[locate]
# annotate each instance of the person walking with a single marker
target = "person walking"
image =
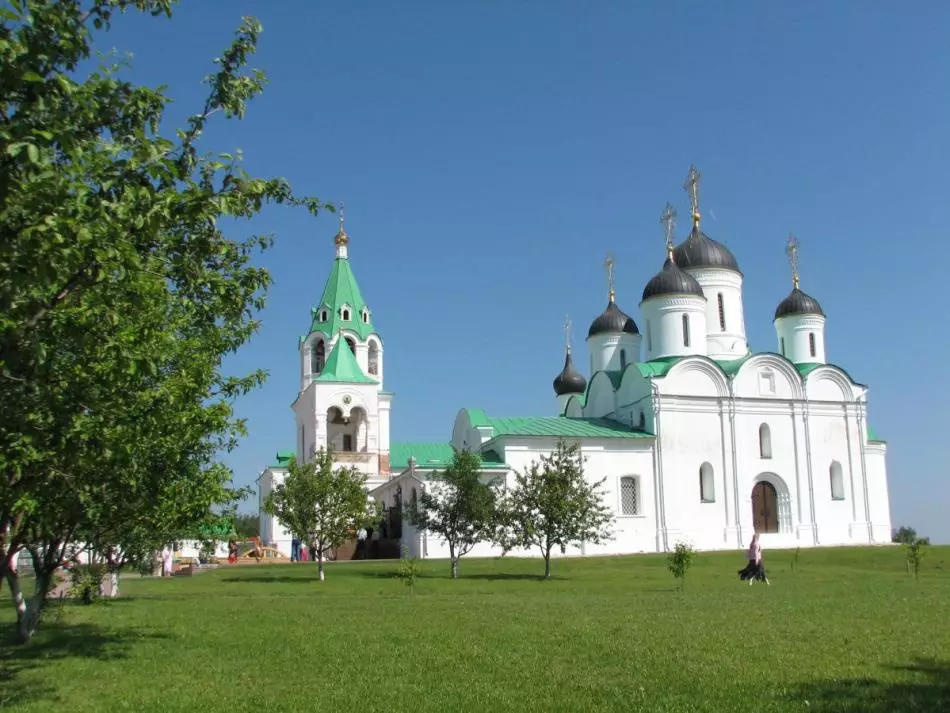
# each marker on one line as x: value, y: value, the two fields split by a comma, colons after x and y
x: 167, y: 556
x: 294, y: 550
x: 361, y: 543
x: 755, y: 569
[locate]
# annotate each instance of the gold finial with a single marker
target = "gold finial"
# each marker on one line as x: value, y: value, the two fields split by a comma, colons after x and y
x: 669, y: 225
x: 609, y: 264
x: 567, y: 333
x: 791, y: 249
x: 341, y: 237
x: 692, y: 188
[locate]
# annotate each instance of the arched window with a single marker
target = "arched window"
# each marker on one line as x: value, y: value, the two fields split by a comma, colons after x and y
x: 345, y: 313
x: 630, y: 495
x: 765, y: 441
x: 303, y: 443
x: 643, y: 421
x: 373, y: 358
x: 352, y: 344
x: 623, y: 358
x: 722, y: 313
x: 365, y: 316
x: 811, y: 344
x: 649, y: 338
x: 707, y: 485
x: 837, y: 480
x: 685, y: 330
x: 317, y: 357
x: 323, y: 315
x: 413, y: 500
x: 782, y: 342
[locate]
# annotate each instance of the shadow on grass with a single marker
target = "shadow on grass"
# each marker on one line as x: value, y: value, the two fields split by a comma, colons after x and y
x: 926, y: 687
x: 54, y: 643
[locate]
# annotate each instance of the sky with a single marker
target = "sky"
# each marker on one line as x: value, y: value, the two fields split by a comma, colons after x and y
x: 490, y: 154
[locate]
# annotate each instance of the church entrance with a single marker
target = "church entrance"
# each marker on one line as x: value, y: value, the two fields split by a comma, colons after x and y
x: 764, y: 508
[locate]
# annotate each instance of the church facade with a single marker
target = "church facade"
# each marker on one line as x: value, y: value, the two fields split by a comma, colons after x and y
x: 695, y: 437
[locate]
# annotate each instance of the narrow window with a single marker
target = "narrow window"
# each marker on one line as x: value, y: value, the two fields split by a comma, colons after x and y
x: 365, y: 317
x: 837, y: 481
x: 623, y: 358
x: 649, y: 338
x: 346, y: 315
x: 317, y: 357
x: 707, y: 485
x: 302, y: 443
x: 630, y: 495
x: 373, y: 358
x: 765, y: 441
x: 323, y: 315
x: 722, y: 314
x: 782, y: 342
x: 685, y: 330
x: 811, y: 344
x: 643, y: 421
x: 352, y: 344
x: 347, y: 443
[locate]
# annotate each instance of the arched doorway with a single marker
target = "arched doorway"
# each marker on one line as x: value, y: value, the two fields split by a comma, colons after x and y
x: 765, y: 515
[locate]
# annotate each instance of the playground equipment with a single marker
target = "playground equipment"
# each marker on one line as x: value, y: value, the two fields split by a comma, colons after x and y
x: 251, y: 549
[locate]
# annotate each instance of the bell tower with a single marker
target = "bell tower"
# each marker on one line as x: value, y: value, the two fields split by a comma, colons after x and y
x: 341, y: 403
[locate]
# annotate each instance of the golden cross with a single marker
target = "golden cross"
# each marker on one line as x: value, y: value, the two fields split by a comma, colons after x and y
x: 791, y: 249
x: 669, y: 224
x: 609, y: 264
x: 342, y: 214
x: 692, y: 188
x: 567, y: 332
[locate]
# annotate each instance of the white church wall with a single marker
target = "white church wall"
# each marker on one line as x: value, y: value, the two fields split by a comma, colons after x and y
x: 834, y: 511
x: 725, y: 333
x: 635, y: 398
x: 878, y: 500
x: 601, y: 398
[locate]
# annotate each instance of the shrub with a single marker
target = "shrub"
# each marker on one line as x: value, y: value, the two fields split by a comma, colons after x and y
x: 85, y: 581
x: 409, y: 568
x: 679, y: 561
x: 915, y: 553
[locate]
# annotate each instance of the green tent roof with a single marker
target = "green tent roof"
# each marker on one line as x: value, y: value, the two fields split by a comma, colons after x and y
x: 341, y: 366
x: 554, y: 426
x: 282, y: 460
x: 341, y: 292
x: 434, y: 455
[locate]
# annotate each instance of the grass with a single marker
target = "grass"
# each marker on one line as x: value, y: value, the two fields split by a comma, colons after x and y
x: 848, y: 630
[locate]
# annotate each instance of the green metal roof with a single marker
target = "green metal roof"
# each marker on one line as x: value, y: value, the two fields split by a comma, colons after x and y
x: 283, y: 459
x: 872, y: 436
x: 554, y: 426
x: 341, y: 366
x: 341, y: 290
x: 434, y: 455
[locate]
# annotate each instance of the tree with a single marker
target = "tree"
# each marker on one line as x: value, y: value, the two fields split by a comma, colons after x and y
x: 322, y: 506
x: 247, y: 525
x: 119, y: 293
x: 553, y: 505
x: 679, y: 561
x: 457, y: 506
x: 907, y: 536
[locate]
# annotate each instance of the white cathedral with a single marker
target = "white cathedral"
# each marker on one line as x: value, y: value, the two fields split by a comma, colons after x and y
x: 696, y: 438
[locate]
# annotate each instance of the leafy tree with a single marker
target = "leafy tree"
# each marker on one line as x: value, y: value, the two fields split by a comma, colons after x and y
x: 679, y: 561
x: 915, y: 554
x: 457, y: 506
x: 552, y: 504
x: 247, y: 525
x: 119, y: 293
x: 322, y: 506
x: 907, y: 536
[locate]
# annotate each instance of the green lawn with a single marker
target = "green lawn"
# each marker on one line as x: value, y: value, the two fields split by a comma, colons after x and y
x: 847, y: 631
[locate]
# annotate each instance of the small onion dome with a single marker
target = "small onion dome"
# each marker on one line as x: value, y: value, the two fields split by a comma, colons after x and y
x: 613, y: 319
x: 569, y: 381
x: 798, y: 302
x: 672, y: 281
x: 699, y: 250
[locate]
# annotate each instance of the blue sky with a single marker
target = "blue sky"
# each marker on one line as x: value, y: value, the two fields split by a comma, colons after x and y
x: 491, y: 153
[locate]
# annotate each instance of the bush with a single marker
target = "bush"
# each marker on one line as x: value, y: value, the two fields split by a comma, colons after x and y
x: 409, y: 569
x: 85, y: 581
x: 915, y: 553
x: 679, y: 561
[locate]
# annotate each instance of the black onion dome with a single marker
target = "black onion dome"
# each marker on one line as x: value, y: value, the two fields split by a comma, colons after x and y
x: 699, y: 250
x: 569, y: 381
x: 613, y: 319
x: 672, y: 281
x: 798, y: 302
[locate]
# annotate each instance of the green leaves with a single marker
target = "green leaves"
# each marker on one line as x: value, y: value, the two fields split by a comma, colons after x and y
x: 554, y: 505
x: 458, y: 506
x: 119, y: 293
x: 320, y: 505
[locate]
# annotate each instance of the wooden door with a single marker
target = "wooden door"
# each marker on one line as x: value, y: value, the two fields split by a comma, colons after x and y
x: 764, y: 508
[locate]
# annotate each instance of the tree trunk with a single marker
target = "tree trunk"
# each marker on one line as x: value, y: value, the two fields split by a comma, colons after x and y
x: 319, y: 563
x: 547, y: 563
x: 27, y: 612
